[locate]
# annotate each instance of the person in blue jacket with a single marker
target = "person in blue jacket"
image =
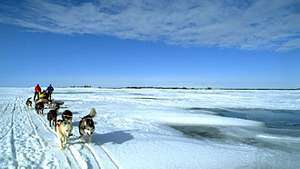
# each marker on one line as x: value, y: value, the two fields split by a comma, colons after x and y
x: 49, y: 91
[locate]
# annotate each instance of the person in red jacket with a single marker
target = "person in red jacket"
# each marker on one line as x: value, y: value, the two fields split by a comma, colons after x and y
x: 37, y: 91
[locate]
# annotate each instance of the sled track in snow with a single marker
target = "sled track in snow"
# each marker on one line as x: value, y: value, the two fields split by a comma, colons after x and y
x: 5, y: 108
x: 109, y: 156
x: 72, y: 153
x: 12, y: 141
x: 65, y: 154
x: 12, y: 117
x: 93, y: 154
x: 77, y: 158
x: 11, y: 121
x: 105, y: 152
x: 79, y: 164
x: 39, y: 139
x: 33, y: 126
x: 87, y: 147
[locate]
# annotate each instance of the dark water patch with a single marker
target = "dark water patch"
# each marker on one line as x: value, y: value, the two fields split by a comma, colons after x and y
x: 215, y: 134
x: 200, y: 131
x: 284, y: 119
x: 222, y: 136
x: 282, y: 146
x: 196, y: 108
x: 286, y: 111
x: 281, y: 132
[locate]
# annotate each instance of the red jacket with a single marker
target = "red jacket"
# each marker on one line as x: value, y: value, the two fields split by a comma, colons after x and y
x: 37, y: 89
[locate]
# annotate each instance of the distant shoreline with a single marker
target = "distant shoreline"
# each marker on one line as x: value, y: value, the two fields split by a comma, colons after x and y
x: 186, y: 88
x: 183, y: 88
x: 156, y: 87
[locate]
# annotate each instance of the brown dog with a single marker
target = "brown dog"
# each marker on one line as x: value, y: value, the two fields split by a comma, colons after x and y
x: 52, y: 117
x: 63, y: 132
x: 39, y: 107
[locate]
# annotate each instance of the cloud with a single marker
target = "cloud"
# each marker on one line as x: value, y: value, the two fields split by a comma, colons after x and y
x: 250, y: 24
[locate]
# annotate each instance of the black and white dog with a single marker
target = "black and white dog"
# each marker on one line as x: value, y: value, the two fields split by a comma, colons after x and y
x: 87, y: 125
x: 29, y: 102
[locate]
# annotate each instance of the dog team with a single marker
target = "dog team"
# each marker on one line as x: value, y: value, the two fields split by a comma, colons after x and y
x: 63, y: 127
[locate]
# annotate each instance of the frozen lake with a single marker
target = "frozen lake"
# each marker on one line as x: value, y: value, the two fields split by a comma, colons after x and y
x: 157, y: 128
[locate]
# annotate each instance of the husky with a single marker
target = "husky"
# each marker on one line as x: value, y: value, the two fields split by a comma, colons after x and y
x: 67, y: 115
x: 39, y: 107
x: 52, y: 117
x: 86, y: 125
x: 63, y: 132
x: 29, y: 102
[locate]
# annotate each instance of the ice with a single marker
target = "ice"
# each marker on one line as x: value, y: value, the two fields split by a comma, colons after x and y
x: 157, y: 128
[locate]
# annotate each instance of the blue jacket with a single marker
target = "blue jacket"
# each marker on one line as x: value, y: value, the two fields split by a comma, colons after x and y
x: 50, y: 89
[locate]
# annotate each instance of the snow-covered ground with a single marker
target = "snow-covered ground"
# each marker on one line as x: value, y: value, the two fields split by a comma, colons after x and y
x: 157, y: 129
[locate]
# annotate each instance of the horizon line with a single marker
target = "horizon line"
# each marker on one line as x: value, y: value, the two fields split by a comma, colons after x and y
x: 165, y: 87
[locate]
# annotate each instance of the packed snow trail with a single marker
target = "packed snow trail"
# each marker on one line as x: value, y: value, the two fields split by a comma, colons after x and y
x: 28, y: 141
x: 7, y: 123
x: 23, y: 145
x: 82, y: 153
x: 85, y: 152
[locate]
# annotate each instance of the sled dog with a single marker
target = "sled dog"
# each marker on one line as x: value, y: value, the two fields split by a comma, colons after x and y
x: 63, y: 132
x: 39, y: 107
x: 67, y: 115
x: 86, y: 125
x: 52, y: 117
x: 29, y: 102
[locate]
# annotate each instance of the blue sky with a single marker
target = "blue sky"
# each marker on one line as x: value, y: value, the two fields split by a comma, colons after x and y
x: 150, y: 43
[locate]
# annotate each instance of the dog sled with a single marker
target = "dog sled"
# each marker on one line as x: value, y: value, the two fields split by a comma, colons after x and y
x: 53, y: 104
x: 50, y: 104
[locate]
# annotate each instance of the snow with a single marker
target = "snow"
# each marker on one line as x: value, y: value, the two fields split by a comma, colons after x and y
x: 156, y: 129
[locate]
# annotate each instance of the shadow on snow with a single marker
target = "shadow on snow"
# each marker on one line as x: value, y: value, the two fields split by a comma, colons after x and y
x: 116, y: 137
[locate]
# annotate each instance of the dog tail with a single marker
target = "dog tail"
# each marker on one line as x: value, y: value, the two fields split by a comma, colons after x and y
x: 93, y: 112
x: 29, y: 98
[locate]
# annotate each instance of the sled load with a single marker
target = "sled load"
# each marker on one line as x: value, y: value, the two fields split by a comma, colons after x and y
x: 44, y: 97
